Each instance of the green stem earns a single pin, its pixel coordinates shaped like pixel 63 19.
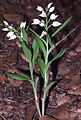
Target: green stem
pixel 36 101
pixel 45 80
pixel 34 89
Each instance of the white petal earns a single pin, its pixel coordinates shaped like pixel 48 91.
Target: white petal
pixel 6 23
pixel 51 9
pixel 49 5
pixel 12 37
pixel 23 24
pixel 43 34
pixel 10 34
pixel 42 23
pixel 5 29
pixel 55 23
pixel 36 21
pixel 10 27
pixel 53 16
pixel 43 14
pixel 39 8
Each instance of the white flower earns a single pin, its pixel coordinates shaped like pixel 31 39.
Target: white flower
pixel 12 37
pixel 55 23
pixel 51 9
pixel 23 24
pixel 6 23
pixel 5 29
pixel 43 14
pixel 10 27
pixel 42 23
pixel 53 16
pixel 49 5
pixel 43 34
pixel 10 34
pixel 39 8
pixel 36 21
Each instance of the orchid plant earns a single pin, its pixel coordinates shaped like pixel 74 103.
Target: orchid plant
pixel 41 42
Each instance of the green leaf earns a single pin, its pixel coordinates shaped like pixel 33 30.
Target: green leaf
pixel 62 26
pixel 26 51
pixel 36 80
pixel 51 48
pixel 41 45
pixel 25 36
pixel 39 41
pixel 38 36
pixel 48 87
pixel 49 40
pixel 59 55
pixel 47 78
pixel 41 65
pixel 18 36
pixel 35 47
pixel 65 37
pixel 18 76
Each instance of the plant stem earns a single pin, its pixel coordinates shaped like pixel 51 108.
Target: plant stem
pixel 36 101
pixel 35 90
pixel 45 79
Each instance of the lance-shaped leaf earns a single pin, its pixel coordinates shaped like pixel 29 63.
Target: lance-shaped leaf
pixel 48 87
pixel 51 48
pixel 41 65
pixel 35 47
pixel 49 40
pixel 18 76
pixel 26 51
pixel 59 55
pixel 39 41
pixel 25 36
pixel 56 57
pixel 47 78
pixel 41 45
pixel 62 26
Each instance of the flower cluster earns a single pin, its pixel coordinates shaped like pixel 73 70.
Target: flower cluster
pixel 46 14
pixel 12 31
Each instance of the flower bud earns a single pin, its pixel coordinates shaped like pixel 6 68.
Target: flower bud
pixel 53 16
pixel 36 21
pixel 49 5
pixel 51 9
pixel 39 8
pixel 56 24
